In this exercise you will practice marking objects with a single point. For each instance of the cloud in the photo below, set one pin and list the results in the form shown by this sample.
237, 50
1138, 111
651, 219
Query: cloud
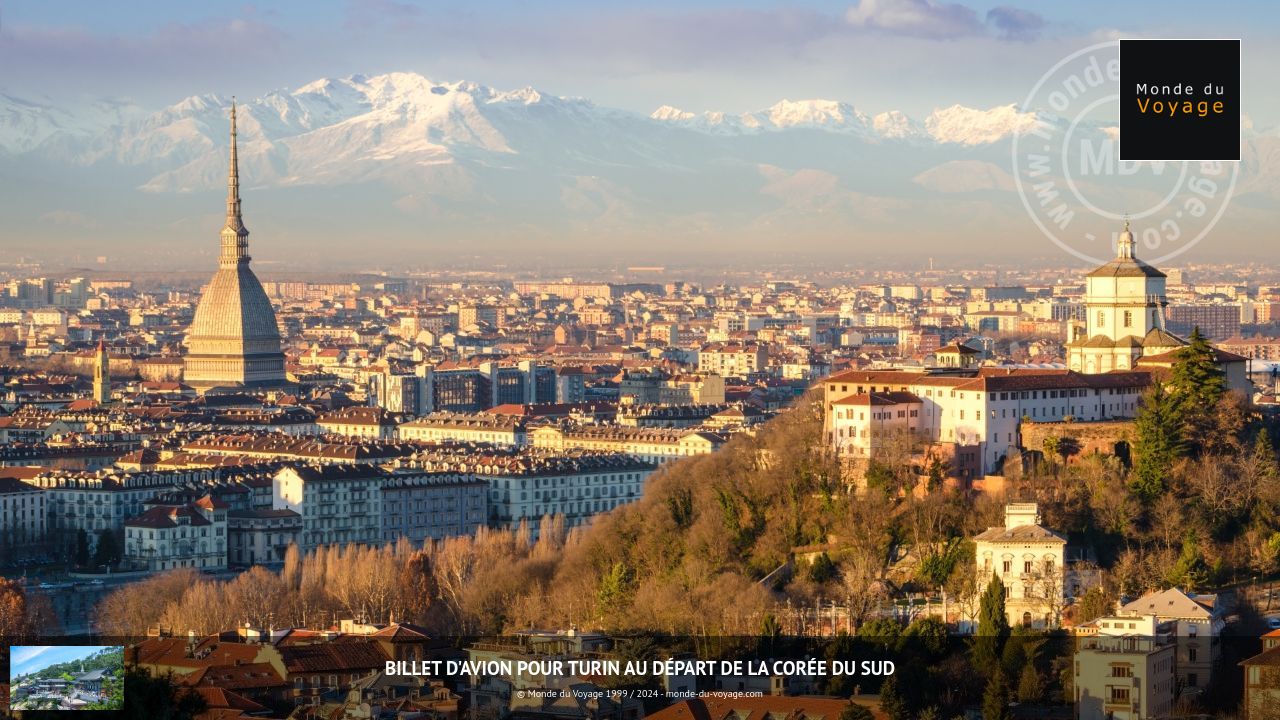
1013, 23
917, 18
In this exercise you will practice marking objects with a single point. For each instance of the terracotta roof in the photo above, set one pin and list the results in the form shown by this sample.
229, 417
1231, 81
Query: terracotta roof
209, 651
403, 632
326, 657
880, 398
216, 697
244, 676
167, 517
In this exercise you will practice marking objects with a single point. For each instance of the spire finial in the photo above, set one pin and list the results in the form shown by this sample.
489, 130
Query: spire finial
234, 234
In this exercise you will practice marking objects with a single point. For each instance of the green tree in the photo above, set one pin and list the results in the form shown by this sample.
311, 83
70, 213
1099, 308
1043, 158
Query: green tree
1159, 427
82, 548
995, 699
157, 698
108, 551
1190, 571
993, 626
928, 634
1095, 603
1195, 376
1030, 688
822, 569
1051, 448
615, 588
892, 700
1198, 384
937, 472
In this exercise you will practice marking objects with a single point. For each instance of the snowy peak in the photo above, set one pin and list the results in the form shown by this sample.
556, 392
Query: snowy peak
969, 126
954, 125
895, 125
824, 114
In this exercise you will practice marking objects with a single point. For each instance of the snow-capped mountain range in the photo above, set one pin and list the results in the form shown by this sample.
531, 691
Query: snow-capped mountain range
440, 160
356, 128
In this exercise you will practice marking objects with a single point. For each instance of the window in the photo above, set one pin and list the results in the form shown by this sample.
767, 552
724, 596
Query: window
1102, 317
1008, 565
1122, 671
1128, 318
1119, 694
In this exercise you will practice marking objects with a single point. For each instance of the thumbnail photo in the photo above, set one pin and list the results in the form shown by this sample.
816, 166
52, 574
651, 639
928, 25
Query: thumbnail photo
66, 677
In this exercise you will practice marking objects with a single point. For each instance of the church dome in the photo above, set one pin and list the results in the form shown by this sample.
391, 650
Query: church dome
234, 308
1125, 263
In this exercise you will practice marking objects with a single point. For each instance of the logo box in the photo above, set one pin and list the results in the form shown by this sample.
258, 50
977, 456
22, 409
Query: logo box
1179, 99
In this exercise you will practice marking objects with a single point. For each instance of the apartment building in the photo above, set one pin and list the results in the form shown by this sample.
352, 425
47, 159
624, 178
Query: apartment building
23, 514
649, 444
178, 535
507, 430
1125, 671
423, 506
339, 504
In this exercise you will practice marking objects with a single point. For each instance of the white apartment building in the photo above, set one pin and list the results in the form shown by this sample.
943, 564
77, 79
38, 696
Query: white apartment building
732, 359
506, 430
339, 504
23, 514
1125, 671
1029, 560
1196, 622
652, 445
190, 535
977, 412
576, 486
104, 500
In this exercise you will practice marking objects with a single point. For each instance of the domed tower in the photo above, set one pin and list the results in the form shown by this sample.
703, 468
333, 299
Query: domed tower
234, 340
1124, 314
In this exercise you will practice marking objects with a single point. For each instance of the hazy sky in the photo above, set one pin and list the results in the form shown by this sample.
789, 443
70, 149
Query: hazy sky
25, 659
910, 55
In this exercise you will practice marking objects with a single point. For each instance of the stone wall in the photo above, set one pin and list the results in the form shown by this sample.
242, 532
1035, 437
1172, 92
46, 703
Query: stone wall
1111, 437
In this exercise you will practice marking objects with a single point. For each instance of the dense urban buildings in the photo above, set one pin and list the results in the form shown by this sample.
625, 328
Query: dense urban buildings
380, 414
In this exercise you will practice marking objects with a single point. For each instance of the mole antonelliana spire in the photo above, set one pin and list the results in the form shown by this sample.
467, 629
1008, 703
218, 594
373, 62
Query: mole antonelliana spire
235, 236
234, 340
